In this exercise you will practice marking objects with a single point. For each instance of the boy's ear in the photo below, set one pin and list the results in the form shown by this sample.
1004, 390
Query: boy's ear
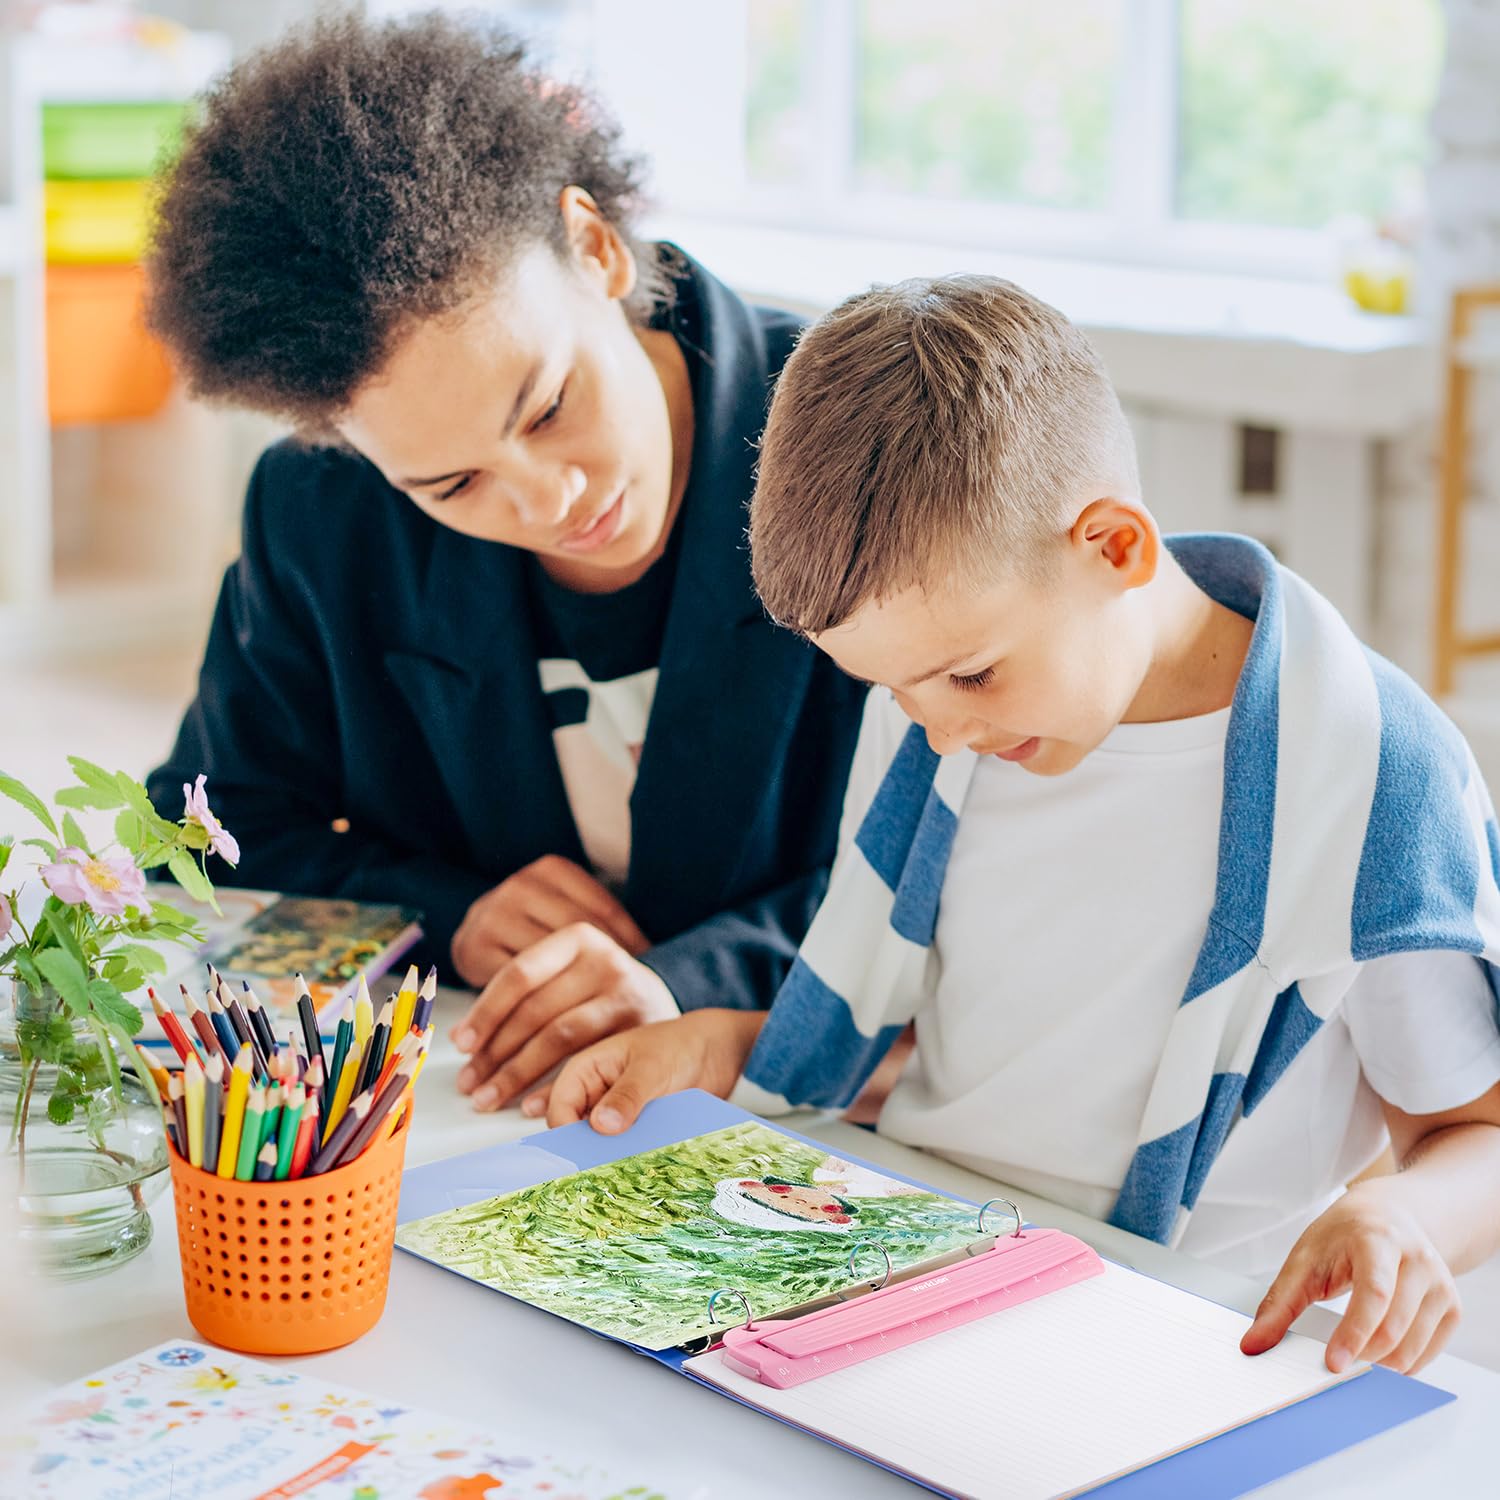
598, 249
1123, 536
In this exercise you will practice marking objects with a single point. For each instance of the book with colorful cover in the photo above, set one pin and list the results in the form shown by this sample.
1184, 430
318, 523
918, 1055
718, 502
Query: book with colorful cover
266, 939
184, 1419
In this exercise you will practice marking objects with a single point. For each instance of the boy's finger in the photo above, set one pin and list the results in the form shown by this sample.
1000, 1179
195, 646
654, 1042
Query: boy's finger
1375, 1274
1291, 1294
1410, 1291
1439, 1339
534, 1105
625, 1099
1420, 1333
583, 1079
526, 972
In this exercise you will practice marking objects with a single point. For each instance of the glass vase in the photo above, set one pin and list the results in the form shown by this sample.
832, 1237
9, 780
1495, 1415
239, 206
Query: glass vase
85, 1153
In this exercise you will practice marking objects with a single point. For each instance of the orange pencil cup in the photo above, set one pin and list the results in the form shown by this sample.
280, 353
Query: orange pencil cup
291, 1267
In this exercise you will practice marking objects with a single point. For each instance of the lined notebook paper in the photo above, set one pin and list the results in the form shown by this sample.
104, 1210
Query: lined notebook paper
1053, 1397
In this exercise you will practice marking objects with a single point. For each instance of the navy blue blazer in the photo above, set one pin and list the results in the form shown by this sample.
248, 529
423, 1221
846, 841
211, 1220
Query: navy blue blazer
368, 664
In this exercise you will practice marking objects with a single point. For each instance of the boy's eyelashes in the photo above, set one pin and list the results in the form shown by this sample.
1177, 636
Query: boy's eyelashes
542, 421
973, 681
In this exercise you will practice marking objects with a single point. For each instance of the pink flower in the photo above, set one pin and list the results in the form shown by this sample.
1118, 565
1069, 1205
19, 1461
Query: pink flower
106, 885
7, 913
220, 840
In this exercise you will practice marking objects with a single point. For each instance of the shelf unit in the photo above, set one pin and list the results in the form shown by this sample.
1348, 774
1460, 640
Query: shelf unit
115, 592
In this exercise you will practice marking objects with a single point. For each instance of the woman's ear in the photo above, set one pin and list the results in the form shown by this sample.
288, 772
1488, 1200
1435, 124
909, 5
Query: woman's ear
597, 249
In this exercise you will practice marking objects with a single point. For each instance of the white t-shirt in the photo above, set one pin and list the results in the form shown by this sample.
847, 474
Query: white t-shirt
1071, 917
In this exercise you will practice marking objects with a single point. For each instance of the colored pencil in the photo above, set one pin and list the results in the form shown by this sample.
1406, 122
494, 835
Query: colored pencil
213, 1111
364, 1015
291, 1123
255, 1114
192, 1086
177, 1097
406, 1003
171, 1026
219, 1018
400, 1081
308, 1015
333, 1147
230, 1004
343, 1092
154, 1071
307, 1130
198, 1019
235, 1099
375, 1050
259, 1021
265, 1163
275, 1104
343, 1035
422, 1016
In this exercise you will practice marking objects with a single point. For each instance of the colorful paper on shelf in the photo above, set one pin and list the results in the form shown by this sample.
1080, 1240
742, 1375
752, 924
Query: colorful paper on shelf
186, 1420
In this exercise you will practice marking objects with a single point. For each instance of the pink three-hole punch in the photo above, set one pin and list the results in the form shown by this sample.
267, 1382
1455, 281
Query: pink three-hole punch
1026, 1264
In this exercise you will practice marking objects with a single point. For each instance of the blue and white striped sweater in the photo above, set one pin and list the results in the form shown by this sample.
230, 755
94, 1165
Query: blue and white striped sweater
1355, 824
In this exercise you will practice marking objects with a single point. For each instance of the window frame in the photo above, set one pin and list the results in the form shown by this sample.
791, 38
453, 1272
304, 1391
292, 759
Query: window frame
1140, 226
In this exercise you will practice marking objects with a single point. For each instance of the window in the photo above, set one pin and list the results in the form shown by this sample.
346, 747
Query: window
1208, 131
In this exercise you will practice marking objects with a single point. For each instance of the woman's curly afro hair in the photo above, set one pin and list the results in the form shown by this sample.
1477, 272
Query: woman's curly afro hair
355, 176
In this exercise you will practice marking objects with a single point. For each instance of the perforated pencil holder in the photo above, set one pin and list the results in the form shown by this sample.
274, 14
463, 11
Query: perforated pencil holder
292, 1267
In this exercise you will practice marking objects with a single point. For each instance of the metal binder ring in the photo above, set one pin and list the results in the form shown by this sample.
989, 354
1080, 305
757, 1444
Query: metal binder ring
874, 1245
730, 1291
1015, 1213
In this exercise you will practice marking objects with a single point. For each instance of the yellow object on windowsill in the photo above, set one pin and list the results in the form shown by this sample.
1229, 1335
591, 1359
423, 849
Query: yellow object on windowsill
1379, 291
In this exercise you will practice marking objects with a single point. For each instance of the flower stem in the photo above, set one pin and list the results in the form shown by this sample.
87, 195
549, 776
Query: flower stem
25, 1110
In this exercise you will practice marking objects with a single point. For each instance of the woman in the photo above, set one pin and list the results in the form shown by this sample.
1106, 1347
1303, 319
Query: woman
492, 647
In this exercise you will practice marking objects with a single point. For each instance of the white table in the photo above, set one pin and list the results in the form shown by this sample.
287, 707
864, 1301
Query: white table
523, 1374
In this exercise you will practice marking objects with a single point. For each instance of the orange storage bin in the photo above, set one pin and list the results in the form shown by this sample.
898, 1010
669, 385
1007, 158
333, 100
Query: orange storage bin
291, 1267
102, 365
89, 223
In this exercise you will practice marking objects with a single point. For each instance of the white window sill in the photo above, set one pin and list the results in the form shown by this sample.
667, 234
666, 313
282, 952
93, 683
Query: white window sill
1275, 352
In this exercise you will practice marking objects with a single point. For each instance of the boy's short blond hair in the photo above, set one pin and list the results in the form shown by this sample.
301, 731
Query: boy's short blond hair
936, 430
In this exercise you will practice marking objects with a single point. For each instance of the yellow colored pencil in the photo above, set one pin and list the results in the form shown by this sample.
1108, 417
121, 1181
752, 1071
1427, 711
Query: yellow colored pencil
234, 1111
364, 1016
192, 1083
406, 1003
342, 1094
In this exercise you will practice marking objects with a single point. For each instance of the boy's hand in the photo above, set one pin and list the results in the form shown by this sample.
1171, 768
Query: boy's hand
549, 894
1405, 1305
612, 1082
562, 993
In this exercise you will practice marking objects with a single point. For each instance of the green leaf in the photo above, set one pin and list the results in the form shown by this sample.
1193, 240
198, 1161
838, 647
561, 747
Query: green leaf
112, 1008
60, 1109
7, 844
55, 915
45, 845
186, 873
49, 1040
27, 969
129, 827
91, 775
171, 918
72, 833
147, 960
87, 796
67, 975
10, 787
134, 795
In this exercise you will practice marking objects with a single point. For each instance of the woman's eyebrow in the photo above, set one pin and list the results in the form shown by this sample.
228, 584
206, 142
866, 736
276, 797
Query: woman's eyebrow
528, 385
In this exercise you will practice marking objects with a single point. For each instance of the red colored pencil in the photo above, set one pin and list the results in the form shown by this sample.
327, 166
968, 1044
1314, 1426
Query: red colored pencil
306, 1130
171, 1026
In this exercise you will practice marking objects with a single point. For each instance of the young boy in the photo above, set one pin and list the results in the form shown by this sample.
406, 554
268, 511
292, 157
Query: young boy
1192, 900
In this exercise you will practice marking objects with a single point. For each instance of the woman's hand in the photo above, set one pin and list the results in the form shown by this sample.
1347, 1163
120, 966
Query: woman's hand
1404, 1306
559, 995
549, 894
612, 1082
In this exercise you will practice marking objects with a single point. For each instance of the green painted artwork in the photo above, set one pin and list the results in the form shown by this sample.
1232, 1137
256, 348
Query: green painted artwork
634, 1249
